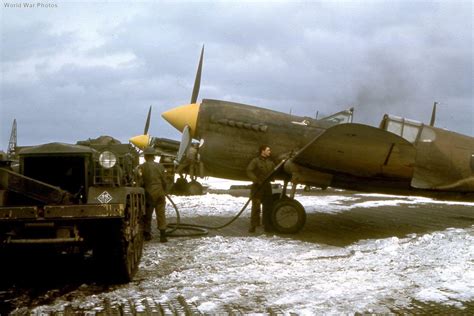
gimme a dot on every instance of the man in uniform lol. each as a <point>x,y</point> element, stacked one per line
<point>189,164</point>
<point>258,170</point>
<point>152,177</point>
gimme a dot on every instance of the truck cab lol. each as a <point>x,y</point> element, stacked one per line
<point>75,198</point>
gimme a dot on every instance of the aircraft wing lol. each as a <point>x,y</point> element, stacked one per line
<point>359,150</point>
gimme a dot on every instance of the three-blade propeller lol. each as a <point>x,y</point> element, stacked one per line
<point>143,141</point>
<point>186,132</point>
<point>187,118</point>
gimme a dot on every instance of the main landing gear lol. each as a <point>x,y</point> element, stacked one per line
<point>183,187</point>
<point>288,215</point>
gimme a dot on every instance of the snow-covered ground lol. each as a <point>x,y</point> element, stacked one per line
<point>253,273</point>
<point>227,205</point>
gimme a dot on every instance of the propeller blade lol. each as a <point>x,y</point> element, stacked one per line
<point>197,81</point>
<point>147,124</point>
<point>184,144</point>
<point>433,114</point>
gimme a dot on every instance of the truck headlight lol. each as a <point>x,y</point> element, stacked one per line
<point>107,159</point>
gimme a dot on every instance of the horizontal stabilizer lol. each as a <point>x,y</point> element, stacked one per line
<point>339,117</point>
<point>360,150</point>
<point>444,161</point>
<point>424,179</point>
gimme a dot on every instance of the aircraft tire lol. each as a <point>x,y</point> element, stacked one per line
<point>277,196</point>
<point>288,216</point>
<point>180,187</point>
<point>195,188</point>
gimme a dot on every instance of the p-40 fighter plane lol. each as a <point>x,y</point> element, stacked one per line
<point>169,150</point>
<point>401,156</point>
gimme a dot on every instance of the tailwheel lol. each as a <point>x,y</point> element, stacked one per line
<point>288,216</point>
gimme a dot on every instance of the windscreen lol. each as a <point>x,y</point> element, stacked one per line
<point>66,172</point>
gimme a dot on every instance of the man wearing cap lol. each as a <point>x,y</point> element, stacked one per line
<point>152,176</point>
<point>258,171</point>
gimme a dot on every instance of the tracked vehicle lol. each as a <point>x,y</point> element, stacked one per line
<point>74,199</point>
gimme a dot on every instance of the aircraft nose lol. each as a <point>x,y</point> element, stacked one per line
<point>183,115</point>
<point>141,141</point>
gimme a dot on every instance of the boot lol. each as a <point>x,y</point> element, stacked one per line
<point>163,235</point>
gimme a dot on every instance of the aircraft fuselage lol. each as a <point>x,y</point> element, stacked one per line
<point>233,132</point>
<point>440,161</point>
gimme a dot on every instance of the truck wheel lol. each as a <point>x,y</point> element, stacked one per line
<point>120,251</point>
<point>288,216</point>
<point>130,257</point>
<point>131,244</point>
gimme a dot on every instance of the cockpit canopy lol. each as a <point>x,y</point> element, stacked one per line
<point>408,129</point>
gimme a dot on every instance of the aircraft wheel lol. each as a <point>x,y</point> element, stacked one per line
<point>195,188</point>
<point>277,196</point>
<point>180,187</point>
<point>288,216</point>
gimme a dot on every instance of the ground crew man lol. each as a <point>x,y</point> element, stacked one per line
<point>152,176</point>
<point>189,164</point>
<point>258,170</point>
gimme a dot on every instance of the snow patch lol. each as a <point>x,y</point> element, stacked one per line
<point>296,276</point>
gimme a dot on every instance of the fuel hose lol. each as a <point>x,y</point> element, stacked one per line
<point>202,230</point>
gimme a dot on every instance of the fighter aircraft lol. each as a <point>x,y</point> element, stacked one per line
<point>401,156</point>
<point>168,151</point>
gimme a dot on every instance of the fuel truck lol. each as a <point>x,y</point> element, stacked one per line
<point>74,199</point>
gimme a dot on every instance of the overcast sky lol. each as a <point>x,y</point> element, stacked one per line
<point>78,70</point>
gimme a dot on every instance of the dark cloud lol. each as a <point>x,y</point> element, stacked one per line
<point>381,57</point>
<point>31,40</point>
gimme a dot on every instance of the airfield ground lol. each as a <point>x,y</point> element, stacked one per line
<point>357,254</point>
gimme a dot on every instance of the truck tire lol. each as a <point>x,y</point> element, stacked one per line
<point>118,254</point>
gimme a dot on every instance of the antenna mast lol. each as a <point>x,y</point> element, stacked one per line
<point>12,144</point>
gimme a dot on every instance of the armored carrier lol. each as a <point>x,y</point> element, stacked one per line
<point>78,199</point>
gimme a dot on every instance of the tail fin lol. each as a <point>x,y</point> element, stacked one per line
<point>339,117</point>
